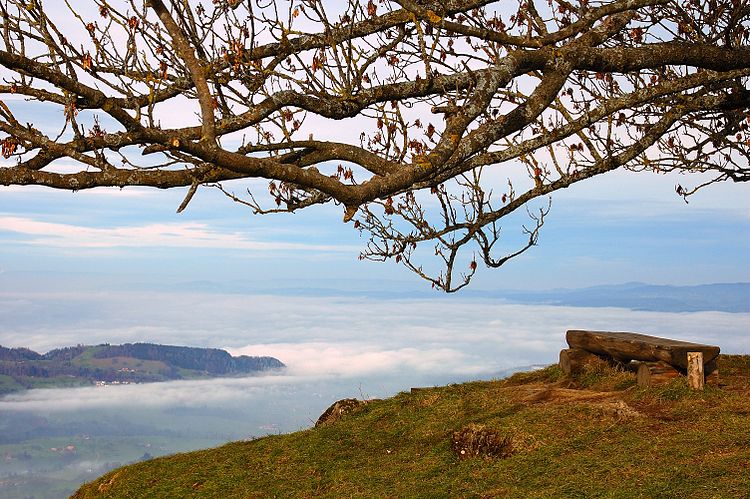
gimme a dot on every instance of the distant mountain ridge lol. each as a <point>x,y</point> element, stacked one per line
<point>724,297</point>
<point>21,368</point>
<point>720,297</point>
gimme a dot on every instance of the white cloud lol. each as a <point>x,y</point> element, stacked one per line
<point>323,341</point>
<point>178,235</point>
<point>170,393</point>
<point>343,336</point>
<point>337,359</point>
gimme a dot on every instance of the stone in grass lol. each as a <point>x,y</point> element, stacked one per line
<point>477,440</point>
<point>338,410</point>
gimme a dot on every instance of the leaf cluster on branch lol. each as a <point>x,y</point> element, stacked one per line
<point>428,121</point>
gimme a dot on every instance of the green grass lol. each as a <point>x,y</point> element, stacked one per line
<point>9,385</point>
<point>54,382</point>
<point>597,435</point>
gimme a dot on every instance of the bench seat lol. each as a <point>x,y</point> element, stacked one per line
<point>624,347</point>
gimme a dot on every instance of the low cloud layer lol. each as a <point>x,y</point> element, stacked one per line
<point>152,395</point>
<point>323,335</point>
<point>357,359</point>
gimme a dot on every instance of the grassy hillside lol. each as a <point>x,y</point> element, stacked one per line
<point>82,365</point>
<point>597,435</point>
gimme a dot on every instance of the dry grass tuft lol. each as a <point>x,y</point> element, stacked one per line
<point>603,376</point>
<point>477,440</point>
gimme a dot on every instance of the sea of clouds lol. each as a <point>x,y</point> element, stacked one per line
<point>387,345</point>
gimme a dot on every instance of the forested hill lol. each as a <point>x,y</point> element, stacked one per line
<point>21,368</point>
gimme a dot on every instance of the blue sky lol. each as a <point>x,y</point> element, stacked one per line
<point>617,228</point>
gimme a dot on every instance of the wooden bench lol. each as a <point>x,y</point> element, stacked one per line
<point>655,354</point>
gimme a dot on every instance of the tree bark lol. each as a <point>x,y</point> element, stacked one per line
<point>655,373</point>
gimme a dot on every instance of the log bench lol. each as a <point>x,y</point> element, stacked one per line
<point>660,358</point>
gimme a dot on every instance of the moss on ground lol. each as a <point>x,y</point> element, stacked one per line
<point>597,435</point>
